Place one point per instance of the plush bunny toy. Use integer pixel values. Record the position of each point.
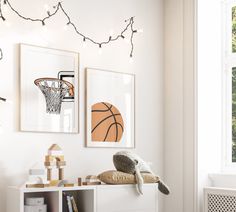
(131, 163)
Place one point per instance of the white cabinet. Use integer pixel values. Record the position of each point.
(120, 198)
(54, 198)
(102, 198)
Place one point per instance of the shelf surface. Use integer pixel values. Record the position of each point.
(89, 187)
(51, 189)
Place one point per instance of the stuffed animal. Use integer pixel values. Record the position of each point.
(131, 163)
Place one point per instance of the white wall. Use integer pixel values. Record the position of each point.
(18, 150)
(180, 98)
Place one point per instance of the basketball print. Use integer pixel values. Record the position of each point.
(107, 123)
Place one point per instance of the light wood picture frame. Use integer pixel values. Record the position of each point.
(110, 109)
(62, 66)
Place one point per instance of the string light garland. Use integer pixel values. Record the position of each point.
(1, 54)
(59, 7)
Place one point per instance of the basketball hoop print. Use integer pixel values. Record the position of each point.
(54, 90)
(107, 123)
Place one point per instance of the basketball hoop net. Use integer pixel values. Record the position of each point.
(54, 90)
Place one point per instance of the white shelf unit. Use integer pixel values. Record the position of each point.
(84, 196)
(102, 198)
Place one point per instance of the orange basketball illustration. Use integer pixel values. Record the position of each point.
(107, 123)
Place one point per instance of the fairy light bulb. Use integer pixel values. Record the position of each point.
(126, 40)
(7, 23)
(46, 7)
(140, 30)
(44, 28)
(84, 43)
(65, 27)
(111, 32)
(5, 8)
(100, 51)
(131, 60)
(9, 101)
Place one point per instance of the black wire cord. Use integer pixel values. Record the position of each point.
(59, 7)
(1, 54)
(3, 99)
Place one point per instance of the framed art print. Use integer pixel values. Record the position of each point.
(49, 94)
(110, 109)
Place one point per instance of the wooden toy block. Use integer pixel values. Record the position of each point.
(37, 185)
(50, 158)
(50, 163)
(79, 181)
(61, 174)
(91, 179)
(37, 175)
(55, 152)
(69, 185)
(49, 174)
(54, 182)
(61, 183)
(61, 163)
(59, 158)
(55, 147)
(37, 179)
(92, 183)
(54, 159)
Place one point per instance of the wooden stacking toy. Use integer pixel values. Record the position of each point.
(55, 159)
